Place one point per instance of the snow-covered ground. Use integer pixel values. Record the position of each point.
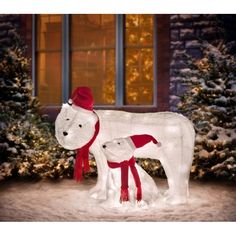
(68, 201)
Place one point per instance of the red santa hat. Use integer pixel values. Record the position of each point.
(82, 97)
(137, 141)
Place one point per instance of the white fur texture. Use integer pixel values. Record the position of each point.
(173, 130)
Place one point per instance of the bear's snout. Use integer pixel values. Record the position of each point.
(65, 133)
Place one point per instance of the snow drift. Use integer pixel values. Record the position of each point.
(68, 201)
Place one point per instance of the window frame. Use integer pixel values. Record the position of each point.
(158, 102)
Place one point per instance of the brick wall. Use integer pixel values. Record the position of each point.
(185, 33)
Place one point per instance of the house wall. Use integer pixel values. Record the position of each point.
(176, 33)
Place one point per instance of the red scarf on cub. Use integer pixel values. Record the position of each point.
(82, 97)
(125, 165)
(136, 141)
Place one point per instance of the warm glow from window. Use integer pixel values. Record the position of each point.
(139, 59)
(49, 29)
(92, 49)
(93, 55)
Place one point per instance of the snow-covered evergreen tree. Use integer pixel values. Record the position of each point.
(210, 103)
(27, 143)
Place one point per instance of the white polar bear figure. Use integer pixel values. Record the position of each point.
(139, 186)
(75, 126)
(79, 128)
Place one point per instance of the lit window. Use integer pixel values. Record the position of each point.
(114, 55)
(93, 55)
(139, 59)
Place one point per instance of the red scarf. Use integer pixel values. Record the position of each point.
(125, 165)
(82, 157)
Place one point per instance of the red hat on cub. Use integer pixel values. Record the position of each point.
(141, 139)
(82, 97)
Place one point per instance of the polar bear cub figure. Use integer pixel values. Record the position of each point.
(118, 151)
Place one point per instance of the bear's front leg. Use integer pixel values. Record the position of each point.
(99, 191)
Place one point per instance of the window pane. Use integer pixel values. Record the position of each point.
(93, 55)
(49, 59)
(49, 31)
(139, 60)
(49, 78)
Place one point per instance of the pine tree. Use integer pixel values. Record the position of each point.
(210, 103)
(27, 143)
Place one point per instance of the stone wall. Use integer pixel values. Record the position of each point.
(185, 33)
